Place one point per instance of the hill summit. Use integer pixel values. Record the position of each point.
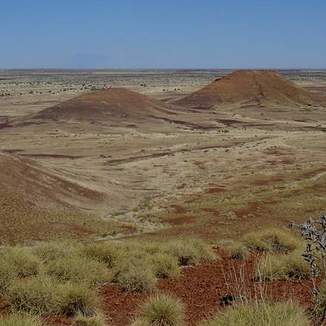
(256, 86)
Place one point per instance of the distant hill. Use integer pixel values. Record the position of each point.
(254, 86)
(118, 107)
(107, 105)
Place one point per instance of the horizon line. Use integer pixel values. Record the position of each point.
(162, 69)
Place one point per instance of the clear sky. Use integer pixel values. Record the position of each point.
(162, 34)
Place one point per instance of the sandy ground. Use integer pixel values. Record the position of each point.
(253, 166)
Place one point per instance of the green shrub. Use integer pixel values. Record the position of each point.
(21, 260)
(78, 269)
(165, 266)
(189, 252)
(161, 310)
(81, 320)
(45, 295)
(277, 240)
(261, 314)
(282, 267)
(19, 319)
(135, 276)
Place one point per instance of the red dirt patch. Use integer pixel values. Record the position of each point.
(73, 228)
(179, 209)
(201, 289)
(183, 219)
(243, 212)
(268, 181)
(215, 190)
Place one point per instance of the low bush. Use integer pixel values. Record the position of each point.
(165, 266)
(78, 269)
(18, 319)
(161, 310)
(282, 267)
(261, 314)
(276, 240)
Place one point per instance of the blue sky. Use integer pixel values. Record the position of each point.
(162, 34)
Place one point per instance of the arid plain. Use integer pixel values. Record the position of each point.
(153, 159)
(178, 186)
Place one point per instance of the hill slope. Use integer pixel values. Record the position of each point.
(259, 87)
(41, 186)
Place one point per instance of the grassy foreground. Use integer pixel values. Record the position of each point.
(63, 278)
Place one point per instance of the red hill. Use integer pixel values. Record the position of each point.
(261, 87)
(115, 104)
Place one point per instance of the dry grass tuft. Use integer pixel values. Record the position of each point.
(78, 269)
(136, 276)
(18, 319)
(261, 314)
(43, 295)
(54, 250)
(77, 299)
(190, 252)
(106, 253)
(237, 250)
(165, 266)
(282, 267)
(81, 320)
(276, 240)
(36, 295)
(161, 310)
(23, 262)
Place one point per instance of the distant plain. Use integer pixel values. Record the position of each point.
(217, 174)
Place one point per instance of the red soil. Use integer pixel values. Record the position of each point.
(249, 86)
(202, 287)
